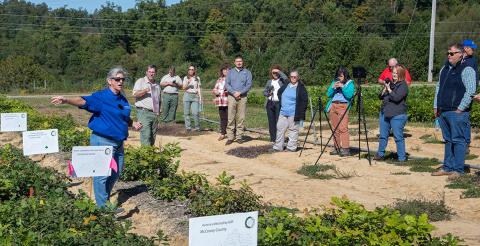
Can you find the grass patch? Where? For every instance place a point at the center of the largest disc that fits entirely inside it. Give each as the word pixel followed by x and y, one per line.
pixel 400 173
pixel 325 171
pixel 436 210
pixel 250 152
pixel 317 171
pixel 471 184
pixel 415 165
pixel 427 138
pixel 471 157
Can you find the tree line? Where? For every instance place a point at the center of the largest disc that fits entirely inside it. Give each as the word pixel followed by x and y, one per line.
pixel 72 49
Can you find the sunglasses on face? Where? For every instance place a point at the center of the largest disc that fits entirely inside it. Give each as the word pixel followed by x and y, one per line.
pixel 452 53
pixel 293 77
pixel 118 79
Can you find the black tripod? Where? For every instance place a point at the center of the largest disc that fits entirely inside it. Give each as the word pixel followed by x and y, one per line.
pixel 319 109
pixel 361 119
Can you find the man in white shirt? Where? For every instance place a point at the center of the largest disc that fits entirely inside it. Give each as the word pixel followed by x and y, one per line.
pixel 170 84
pixel 147 101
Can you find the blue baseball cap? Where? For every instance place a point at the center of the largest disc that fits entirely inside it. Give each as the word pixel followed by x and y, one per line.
pixel 469 43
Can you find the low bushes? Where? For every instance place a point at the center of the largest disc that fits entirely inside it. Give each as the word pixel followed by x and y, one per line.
pixel 36 208
pixel 348 223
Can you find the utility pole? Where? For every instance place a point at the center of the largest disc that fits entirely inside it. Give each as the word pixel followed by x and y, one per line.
pixel 432 41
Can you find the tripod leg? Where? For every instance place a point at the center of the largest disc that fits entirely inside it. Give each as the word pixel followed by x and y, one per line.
pixel 366 132
pixel 332 135
pixel 337 148
pixel 359 102
pixel 308 131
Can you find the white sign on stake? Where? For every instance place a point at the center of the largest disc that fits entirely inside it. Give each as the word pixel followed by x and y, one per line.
pixel 90 161
pixel 13 122
pixel 238 229
pixel 40 142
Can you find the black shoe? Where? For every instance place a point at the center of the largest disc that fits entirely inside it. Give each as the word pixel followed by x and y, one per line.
pixel 378 158
pixel 119 210
pixel 229 142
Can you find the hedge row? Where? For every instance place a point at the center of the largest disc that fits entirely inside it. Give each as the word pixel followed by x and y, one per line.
pixel 419 101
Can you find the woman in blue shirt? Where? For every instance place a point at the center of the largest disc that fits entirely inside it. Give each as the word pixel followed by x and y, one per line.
pixel 293 98
pixel 340 94
pixel 109 124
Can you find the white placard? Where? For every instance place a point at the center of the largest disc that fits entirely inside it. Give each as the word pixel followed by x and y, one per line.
pixel 13 122
pixel 90 161
pixel 229 229
pixel 40 142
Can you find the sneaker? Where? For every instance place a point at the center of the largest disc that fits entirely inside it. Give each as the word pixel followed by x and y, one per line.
pixel 345 152
pixel 197 129
pixel 441 173
pixel 378 158
pixel 222 137
pixel 240 141
pixel 229 142
pixel 291 150
pixel 272 150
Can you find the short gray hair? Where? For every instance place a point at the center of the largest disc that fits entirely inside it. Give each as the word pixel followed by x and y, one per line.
pixel 296 72
pixel 116 70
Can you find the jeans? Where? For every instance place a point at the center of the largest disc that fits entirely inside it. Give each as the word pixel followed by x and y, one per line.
pixel 149 129
pixel 453 127
pixel 103 185
pixel 468 131
pixel 273 111
pixel 397 124
pixel 169 107
pixel 191 106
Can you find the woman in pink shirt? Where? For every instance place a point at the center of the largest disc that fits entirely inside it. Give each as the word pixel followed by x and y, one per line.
pixel 221 100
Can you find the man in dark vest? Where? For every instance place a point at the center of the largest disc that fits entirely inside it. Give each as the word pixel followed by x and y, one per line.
pixel 453 97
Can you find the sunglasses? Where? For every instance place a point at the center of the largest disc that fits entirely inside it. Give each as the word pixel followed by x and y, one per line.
pixel 293 77
pixel 118 79
pixel 452 53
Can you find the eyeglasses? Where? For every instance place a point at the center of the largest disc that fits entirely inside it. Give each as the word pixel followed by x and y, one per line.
pixel 452 53
pixel 293 77
pixel 118 79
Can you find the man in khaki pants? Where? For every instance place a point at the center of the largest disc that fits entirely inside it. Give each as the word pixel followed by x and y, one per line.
pixel 238 83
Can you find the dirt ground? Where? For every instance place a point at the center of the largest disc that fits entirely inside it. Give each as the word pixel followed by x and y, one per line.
pixel 274 176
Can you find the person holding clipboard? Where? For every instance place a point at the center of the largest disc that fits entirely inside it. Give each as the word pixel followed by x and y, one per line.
pixel 109 124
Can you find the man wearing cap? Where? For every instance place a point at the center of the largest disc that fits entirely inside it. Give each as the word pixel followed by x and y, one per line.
pixel 147 101
pixel 469 60
pixel 387 73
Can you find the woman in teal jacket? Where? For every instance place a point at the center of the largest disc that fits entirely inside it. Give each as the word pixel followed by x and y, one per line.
pixel 340 94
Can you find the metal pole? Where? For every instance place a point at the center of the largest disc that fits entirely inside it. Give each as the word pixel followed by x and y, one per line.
pixel 432 41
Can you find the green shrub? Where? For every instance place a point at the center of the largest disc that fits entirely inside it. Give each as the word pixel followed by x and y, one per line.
pixel 62 220
pixel 177 187
pixel 348 223
pixel 19 175
pixel 223 199
pixel 149 161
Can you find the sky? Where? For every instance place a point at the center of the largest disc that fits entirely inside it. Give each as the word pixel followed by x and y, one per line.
pixel 91 5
